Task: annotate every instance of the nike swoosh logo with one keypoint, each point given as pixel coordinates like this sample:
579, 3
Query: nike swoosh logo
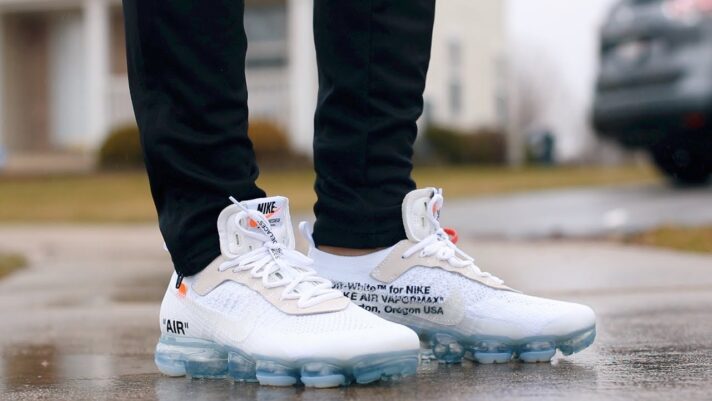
268, 216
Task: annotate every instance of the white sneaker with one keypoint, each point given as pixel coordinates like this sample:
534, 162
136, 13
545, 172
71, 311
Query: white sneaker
259, 313
431, 286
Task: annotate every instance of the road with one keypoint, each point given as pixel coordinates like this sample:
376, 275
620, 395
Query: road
586, 212
82, 320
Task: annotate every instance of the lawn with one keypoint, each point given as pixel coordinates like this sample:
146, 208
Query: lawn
689, 239
10, 263
125, 197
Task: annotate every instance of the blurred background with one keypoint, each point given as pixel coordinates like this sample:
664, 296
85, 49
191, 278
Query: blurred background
522, 71
520, 96
573, 139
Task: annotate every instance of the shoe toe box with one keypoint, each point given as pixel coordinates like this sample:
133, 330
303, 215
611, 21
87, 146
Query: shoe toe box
569, 318
370, 336
518, 316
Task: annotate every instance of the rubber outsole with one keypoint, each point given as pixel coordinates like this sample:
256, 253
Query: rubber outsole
204, 359
452, 348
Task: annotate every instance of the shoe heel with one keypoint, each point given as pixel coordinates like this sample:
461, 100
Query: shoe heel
178, 356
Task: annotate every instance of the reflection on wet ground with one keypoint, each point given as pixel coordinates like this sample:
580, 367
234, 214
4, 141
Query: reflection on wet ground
656, 356
40, 370
29, 365
72, 331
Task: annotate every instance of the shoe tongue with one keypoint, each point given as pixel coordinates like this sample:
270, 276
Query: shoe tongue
415, 214
275, 209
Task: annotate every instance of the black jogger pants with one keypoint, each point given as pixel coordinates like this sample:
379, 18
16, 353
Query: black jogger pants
186, 62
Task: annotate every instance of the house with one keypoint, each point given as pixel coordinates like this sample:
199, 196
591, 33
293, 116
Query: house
466, 85
63, 78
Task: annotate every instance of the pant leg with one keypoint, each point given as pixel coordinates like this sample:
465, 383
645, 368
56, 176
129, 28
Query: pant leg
187, 77
373, 58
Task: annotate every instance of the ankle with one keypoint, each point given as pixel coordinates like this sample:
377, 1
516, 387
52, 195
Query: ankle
339, 251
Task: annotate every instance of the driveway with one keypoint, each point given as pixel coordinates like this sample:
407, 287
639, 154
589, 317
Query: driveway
82, 320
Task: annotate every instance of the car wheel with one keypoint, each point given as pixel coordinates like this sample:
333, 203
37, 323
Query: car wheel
684, 158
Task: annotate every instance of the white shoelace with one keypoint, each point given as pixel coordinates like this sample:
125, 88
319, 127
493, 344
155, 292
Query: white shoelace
278, 265
439, 245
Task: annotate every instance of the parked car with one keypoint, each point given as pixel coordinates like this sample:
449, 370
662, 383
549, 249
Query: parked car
654, 89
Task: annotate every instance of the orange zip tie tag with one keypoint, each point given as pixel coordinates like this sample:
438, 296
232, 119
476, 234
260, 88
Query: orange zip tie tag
452, 233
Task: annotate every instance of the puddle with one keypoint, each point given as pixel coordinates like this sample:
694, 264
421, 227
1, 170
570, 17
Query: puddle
29, 371
29, 365
34, 369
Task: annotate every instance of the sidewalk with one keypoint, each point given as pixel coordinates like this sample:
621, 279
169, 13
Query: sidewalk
81, 322
580, 212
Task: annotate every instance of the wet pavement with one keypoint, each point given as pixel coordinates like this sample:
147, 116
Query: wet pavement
81, 323
584, 212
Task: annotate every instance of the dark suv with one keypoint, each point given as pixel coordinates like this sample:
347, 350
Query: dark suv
654, 90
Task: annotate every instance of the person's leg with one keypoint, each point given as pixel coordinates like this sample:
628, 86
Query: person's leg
187, 61
373, 58
187, 76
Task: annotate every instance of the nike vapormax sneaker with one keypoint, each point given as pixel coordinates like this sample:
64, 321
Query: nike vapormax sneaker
259, 313
426, 283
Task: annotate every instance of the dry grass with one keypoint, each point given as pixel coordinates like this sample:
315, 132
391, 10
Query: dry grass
688, 239
10, 263
125, 197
